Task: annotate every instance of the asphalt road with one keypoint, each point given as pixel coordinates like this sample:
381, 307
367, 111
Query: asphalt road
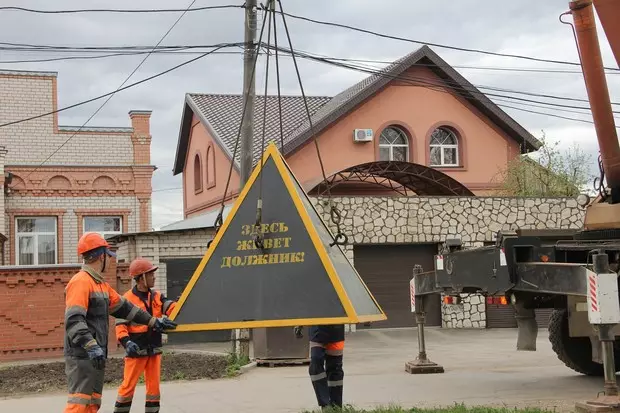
482, 367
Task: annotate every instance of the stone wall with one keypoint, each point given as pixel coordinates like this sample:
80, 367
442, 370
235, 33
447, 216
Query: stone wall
381, 220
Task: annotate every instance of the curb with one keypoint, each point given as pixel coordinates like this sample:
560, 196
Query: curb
247, 367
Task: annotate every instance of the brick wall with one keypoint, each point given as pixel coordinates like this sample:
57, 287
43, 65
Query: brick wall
32, 309
28, 94
71, 226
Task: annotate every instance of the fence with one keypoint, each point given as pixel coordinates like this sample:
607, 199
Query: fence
32, 307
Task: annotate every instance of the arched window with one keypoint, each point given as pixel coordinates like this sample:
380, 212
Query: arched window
210, 167
444, 148
393, 145
197, 173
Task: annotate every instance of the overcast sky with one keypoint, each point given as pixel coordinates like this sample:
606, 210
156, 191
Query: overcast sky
531, 29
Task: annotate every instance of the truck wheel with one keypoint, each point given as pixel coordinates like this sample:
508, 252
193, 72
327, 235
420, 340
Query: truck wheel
574, 352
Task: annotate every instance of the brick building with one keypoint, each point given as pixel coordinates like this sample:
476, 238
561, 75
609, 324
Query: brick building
59, 182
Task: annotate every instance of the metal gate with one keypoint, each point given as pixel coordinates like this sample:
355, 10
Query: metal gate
178, 273
387, 270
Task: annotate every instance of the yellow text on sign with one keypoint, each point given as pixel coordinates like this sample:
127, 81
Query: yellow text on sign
263, 259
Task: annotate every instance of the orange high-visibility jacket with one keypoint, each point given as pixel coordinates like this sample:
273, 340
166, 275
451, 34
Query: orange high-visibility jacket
88, 304
154, 303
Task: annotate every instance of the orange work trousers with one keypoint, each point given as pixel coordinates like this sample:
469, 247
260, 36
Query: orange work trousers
134, 367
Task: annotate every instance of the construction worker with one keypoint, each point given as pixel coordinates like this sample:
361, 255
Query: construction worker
141, 343
326, 353
89, 301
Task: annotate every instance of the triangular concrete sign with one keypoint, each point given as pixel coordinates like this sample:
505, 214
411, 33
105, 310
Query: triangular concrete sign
298, 279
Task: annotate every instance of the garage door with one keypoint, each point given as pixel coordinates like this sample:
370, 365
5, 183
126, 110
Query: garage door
387, 270
503, 316
178, 273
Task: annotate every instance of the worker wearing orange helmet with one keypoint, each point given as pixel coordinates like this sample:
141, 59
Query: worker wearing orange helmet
89, 301
142, 344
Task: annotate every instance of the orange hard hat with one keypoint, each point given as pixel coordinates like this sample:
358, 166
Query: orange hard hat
93, 243
141, 266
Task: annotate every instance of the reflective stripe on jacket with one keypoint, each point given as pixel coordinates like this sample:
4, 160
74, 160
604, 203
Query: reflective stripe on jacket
154, 303
326, 333
89, 301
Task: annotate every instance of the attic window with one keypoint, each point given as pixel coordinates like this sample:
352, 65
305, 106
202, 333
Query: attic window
393, 145
444, 148
197, 174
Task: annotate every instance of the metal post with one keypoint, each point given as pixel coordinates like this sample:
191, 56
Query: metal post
604, 318
421, 365
241, 337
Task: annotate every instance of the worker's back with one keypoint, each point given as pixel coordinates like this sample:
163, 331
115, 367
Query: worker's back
326, 333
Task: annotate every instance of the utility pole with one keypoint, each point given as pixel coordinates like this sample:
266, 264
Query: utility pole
241, 337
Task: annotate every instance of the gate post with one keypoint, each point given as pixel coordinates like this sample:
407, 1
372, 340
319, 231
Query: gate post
421, 365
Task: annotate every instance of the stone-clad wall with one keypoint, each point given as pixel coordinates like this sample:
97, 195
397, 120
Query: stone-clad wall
475, 220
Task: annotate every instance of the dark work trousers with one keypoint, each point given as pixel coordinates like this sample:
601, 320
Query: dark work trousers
326, 372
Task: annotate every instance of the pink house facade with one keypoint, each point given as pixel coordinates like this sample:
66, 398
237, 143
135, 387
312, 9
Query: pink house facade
415, 115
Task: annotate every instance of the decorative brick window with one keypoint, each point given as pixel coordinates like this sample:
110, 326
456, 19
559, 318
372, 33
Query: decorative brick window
106, 226
36, 240
106, 222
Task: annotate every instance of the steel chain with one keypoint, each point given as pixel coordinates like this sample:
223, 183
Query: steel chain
340, 238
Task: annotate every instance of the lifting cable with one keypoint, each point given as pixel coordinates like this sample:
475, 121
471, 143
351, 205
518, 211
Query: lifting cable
340, 238
219, 220
258, 239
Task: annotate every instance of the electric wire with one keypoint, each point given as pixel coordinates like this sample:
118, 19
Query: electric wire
439, 45
216, 48
110, 96
137, 11
306, 19
438, 87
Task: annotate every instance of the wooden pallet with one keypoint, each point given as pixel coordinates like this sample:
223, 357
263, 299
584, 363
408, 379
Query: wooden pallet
281, 362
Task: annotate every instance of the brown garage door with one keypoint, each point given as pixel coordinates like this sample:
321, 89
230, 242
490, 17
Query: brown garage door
503, 316
386, 270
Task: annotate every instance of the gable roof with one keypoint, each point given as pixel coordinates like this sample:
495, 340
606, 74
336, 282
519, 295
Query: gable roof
221, 114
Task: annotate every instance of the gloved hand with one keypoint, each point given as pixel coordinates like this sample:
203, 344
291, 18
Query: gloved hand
298, 331
164, 323
95, 354
131, 348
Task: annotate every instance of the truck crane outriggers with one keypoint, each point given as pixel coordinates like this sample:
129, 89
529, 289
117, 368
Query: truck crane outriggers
573, 272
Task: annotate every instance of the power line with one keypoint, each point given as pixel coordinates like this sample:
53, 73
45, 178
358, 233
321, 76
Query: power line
182, 52
125, 87
112, 94
482, 87
437, 87
452, 84
462, 49
139, 11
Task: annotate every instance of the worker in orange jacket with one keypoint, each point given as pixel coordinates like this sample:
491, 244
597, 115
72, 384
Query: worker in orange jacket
141, 343
89, 301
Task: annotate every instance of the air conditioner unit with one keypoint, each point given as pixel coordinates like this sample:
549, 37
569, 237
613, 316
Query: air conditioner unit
362, 135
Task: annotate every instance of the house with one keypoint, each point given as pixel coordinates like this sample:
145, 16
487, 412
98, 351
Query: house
425, 175
442, 127
60, 181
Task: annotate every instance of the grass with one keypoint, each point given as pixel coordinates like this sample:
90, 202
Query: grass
235, 362
457, 408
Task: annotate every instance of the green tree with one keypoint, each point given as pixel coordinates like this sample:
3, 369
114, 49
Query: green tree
546, 173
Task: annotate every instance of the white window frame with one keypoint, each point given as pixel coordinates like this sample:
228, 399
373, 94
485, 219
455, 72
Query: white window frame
106, 233
19, 235
391, 146
442, 152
